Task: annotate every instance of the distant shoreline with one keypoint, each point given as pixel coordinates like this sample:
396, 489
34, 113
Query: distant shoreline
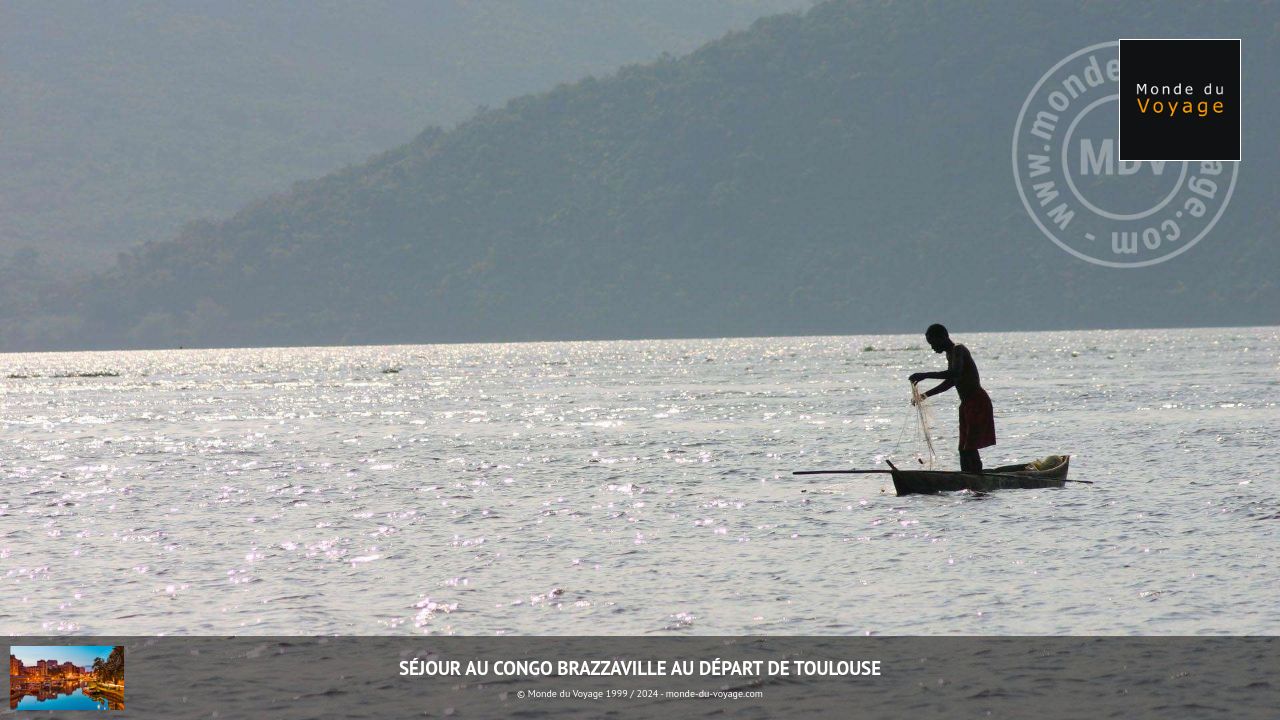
920, 331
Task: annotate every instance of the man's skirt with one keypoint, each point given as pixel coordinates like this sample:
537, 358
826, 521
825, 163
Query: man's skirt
977, 422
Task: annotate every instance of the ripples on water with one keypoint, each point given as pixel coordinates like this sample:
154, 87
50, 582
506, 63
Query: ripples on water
635, 487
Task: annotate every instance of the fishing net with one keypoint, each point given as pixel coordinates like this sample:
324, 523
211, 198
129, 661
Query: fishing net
925, 454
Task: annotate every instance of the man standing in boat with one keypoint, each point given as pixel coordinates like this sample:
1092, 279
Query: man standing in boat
977, 419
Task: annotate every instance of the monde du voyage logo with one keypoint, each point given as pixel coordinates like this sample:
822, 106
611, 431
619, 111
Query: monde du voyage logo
1134, 212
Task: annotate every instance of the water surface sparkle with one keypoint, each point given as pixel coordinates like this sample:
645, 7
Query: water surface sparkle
636, 487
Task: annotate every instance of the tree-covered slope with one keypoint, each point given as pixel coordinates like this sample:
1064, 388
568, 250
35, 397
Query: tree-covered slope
121, 122
842, 171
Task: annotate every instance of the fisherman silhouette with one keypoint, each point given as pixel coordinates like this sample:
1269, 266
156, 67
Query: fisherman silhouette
977, 419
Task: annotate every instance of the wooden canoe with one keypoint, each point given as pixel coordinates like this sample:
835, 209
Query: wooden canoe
1007, 477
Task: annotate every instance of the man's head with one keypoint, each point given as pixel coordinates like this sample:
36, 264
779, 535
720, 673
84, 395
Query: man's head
938, 338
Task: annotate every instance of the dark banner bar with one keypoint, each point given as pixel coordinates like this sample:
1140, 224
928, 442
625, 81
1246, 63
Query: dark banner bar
666, 677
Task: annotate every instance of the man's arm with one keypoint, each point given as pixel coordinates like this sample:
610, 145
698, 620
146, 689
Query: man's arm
955, 363
942, 387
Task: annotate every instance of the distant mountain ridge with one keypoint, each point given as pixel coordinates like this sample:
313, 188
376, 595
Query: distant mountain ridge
123, 121
842, 171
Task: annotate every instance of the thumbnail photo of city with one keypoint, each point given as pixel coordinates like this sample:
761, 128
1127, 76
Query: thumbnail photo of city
66, 677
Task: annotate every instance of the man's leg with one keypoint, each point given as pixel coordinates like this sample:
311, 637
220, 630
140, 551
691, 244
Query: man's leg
970, 461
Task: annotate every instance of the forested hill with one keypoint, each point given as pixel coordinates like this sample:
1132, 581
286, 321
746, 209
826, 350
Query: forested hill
119, 122
842, 171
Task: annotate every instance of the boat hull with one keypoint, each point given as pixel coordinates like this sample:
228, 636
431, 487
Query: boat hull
1009, 477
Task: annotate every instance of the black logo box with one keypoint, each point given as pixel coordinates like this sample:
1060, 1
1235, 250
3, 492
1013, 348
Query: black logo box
1182, 65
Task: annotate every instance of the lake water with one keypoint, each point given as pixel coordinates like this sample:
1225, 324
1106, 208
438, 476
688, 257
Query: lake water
637, 488
74, 700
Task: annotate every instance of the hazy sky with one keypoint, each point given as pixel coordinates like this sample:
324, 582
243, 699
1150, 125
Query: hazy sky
82, 655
